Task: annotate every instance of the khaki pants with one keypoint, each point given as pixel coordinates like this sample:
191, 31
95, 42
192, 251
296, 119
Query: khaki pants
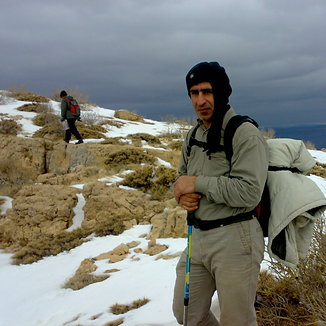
226, 259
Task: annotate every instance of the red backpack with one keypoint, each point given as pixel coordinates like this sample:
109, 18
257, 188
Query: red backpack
74, 106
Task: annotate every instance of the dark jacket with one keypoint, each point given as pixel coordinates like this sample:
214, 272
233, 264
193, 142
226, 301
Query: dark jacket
65, 109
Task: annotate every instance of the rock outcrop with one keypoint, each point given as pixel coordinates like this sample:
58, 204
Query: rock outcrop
39, 174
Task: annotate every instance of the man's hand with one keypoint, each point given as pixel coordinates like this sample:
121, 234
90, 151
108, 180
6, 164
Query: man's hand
184, 185
190, 202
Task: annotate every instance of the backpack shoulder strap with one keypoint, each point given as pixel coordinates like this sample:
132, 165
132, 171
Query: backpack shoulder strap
230, 130
193, 141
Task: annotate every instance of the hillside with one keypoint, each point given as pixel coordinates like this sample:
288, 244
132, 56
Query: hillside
85, 227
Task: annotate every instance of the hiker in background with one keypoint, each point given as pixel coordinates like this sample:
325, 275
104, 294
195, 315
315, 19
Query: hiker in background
70, 112
226, 254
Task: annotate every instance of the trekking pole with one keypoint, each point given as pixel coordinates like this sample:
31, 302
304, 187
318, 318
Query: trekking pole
188, 261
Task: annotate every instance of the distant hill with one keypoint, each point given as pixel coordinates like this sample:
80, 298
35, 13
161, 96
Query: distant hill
316, 134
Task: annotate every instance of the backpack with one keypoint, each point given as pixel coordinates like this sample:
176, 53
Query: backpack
263, 210
74, 106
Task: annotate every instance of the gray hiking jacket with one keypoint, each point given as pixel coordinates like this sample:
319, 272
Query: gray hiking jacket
296, 201
227, 189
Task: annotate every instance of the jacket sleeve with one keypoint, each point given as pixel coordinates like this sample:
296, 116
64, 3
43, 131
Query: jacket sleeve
182, 169
244, 185
64, 108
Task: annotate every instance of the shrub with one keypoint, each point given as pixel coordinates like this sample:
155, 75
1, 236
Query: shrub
9, 127
81, 280
45, 118
309, 145
115, 322
47, 245
295, 297
140, 179
176, 145
79, 95
127, 115
95, 132
156, 181
146, 137
319, 169
119, 309
268, 134
35, 107
53, 131
129, 156
91, 118
21, 94
112, 122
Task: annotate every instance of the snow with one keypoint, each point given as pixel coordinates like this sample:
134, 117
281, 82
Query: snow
32, 295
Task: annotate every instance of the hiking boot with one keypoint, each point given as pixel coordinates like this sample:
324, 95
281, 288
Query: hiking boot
80, 141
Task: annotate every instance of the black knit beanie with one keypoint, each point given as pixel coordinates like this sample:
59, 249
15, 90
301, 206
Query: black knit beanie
215, 74
63, 94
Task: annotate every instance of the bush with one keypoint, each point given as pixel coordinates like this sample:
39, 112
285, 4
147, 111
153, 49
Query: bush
91, 118
9, 127
79, 95
156, 181
21, 94
176, 145
95, 132
268, 134
45, 118
119, 309
48, 245
53, 131
140, 179
319, 169
145, 137
35, 107
129, 156
295, 297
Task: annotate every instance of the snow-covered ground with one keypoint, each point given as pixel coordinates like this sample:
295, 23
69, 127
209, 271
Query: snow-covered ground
32, 295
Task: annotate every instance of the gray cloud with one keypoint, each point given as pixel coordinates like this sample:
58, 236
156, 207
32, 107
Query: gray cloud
134, 54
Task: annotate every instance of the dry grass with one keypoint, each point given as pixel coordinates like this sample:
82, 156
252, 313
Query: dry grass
175, 145
139, 137
52, 244
35, 107
114, 322
21, 94
295, 297
112, 122
268, 134
319, 169
45, 118
154, 180
9, 127
47, 245
119, 309
129, 156
310, 145
79, 95
81, 280
53, 131
90, 131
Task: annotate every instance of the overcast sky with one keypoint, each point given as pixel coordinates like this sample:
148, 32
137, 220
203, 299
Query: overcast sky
134, 54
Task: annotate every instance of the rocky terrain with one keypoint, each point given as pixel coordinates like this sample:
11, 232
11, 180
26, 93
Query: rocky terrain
46, 178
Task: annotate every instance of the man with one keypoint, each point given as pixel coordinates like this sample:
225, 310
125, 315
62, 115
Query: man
71, 117
226, 256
